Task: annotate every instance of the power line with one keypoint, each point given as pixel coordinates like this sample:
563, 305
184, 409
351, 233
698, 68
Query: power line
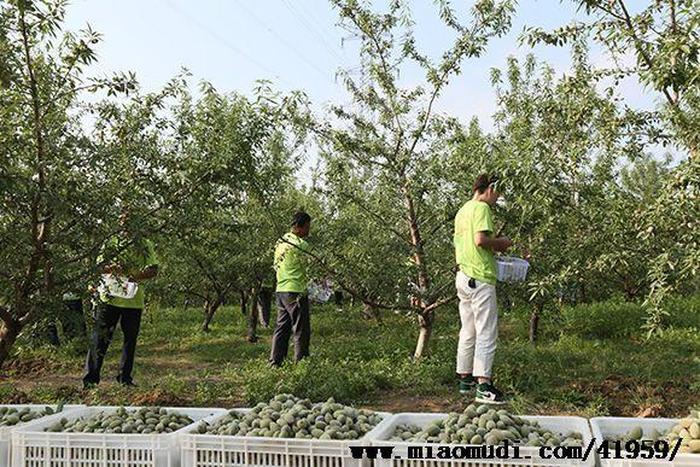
314, 19
282, 40
225, 42
311, 29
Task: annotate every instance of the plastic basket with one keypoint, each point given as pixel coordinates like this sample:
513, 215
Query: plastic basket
611, 426
33, 447
511, 269
239, 451
6, 431
380, 437
117, 286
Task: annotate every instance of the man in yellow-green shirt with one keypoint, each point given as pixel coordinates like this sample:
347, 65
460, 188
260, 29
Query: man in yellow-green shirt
475, 243
290, 264
127, 261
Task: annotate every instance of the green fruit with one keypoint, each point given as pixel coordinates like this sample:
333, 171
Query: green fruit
635, 433
289, 417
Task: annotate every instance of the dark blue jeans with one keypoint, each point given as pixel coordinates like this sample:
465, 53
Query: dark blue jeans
106, 319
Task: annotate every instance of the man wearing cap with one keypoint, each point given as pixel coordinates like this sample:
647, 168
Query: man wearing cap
475, 243
133, 261
290, 263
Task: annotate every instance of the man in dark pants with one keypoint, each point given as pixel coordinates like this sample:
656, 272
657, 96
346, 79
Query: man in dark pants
292, 300
134, 262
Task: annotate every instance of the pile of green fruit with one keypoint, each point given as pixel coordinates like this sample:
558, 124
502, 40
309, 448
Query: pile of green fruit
10, 416
687, 429
286, 416
480, 424
138, 421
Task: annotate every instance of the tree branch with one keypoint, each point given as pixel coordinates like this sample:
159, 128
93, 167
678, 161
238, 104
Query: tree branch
638, 45
432, 307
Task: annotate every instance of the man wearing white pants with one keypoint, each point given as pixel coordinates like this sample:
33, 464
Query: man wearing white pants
475, 244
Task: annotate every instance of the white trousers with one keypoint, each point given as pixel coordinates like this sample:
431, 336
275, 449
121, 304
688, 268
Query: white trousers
477, 338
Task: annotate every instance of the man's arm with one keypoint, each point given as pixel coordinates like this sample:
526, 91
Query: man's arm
500, 244
149, 272
111, 268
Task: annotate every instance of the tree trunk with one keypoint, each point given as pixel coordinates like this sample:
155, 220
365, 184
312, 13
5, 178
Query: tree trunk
243, 302
426, 330
630, 289
8, 336
253, 316
584, 294
370, 312
210, 307
417, 243
534, 323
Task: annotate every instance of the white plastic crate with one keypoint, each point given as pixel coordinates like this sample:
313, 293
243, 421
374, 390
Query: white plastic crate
33, 447
380, 437
511, 269
612, 426
244, 451
6, 431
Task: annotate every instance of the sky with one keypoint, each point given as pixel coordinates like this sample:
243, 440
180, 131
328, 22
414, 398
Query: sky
297, 44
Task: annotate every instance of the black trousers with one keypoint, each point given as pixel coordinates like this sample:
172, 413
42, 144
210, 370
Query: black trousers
292, 318
106, 319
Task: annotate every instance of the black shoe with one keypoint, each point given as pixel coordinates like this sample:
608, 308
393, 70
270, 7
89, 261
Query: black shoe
127, 383
487, 393
467, 384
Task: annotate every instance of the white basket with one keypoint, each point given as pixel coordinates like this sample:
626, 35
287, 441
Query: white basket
33, 447
612, 426
243, 451
117, 286
380, 437
6, 431
511, 269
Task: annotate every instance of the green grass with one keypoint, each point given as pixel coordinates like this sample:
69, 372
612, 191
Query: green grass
591, 360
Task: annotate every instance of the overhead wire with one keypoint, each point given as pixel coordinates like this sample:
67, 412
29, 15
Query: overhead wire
225, 42
311, 29
281, 39
314, 19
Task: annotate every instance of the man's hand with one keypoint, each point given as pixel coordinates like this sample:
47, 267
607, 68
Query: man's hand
144, 274
112, 268
503, 243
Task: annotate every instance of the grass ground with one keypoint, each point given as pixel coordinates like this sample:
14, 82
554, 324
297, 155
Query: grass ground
591, 360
